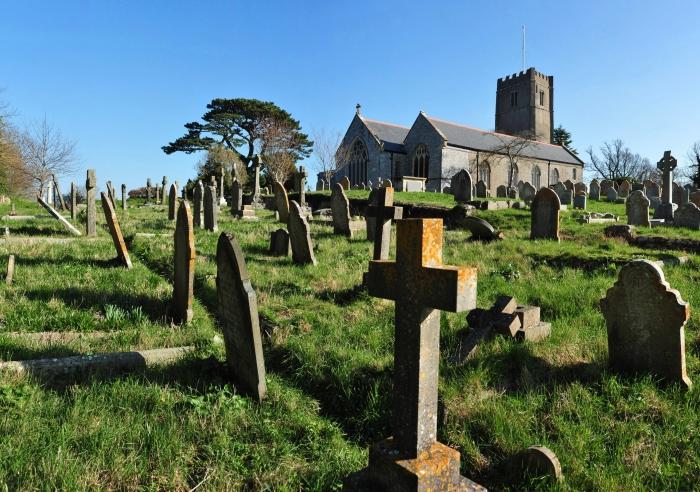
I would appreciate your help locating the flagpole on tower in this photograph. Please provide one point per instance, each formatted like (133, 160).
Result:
(523, 48)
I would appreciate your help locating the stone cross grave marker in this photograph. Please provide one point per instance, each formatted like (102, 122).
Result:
(637, 207)
(461, 186)
(184, 259)
(383, 212)
(148, 190)
(238, 312)
(211, 209)
(666, 165)
(56, 215)
(545, 215)
(115, 231)
(172, 202)
(198, 204)
(480, 189)
(163, 187)
(282, 202)
(645, 320)
(124, 197)
(345, 183)
(421, 286)
(300, 236)
(257, 162)
(340, 207)
(594, 190)
(370, 222)
(91, 211)
(73, 201)
(300, 184)
(236, 198)
(222, 200)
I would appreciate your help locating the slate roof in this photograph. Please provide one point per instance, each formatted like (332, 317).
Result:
(392, 136)
(473, 138)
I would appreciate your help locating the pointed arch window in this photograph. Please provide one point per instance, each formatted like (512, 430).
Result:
(421, 161)
(485, 174)
(555, 176)
(536, 177)
(516, 175)
(357, 167)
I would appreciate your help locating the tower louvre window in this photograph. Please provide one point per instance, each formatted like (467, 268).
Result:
(513, 98)
(541, 98)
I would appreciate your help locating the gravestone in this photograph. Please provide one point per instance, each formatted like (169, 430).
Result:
(220, 187)
(236, 198)
(666, 165)
(112, 194)
(148, 190)
(461, 186)
(611, 194)
(115, 231)
(388, 184)
(559, 189)
(158, 199)
(685, 195)
(521, 183)
(91, 211)
(198, 204)
(652, 189)
(382, 211)
(580, 187)
(637, 207)
(163, 187)
(501, 192)
(480, 229)
(340, 206)
(420, 285)
(184, 258)
(512, 193)
(695, 198)
(545, 215)
(300, 236)
(624, 190)
(279, 243)
(370, 222)
(257, 164)
(638, 187)
(481, 191)
(594, 190)
(238, 314)
(645, 320)
(73, 201)
(211, 209)
(345, 183)
(124, 197)
(300, 184)
(688, 216)
(569, 185)
(605, 185)
(56, 215)
(565, 198)
(172, 202)
(580, 200)
(282, 202)
(10, 272)
(528, 193)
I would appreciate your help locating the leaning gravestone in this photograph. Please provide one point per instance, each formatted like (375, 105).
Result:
(185, 256)
(480, 229)
(382, 211)
(413, 459)
(688, 216)
(340, 206)
(300, 236)
(545, 215)
(480, 189)
(211, 209)
(645, 320)
(501, 191)
(594, 190)
(637, 206)
(91, 211)
(172, 202)
(528, 193)
(282, 202)
(238, 312)
(124, 197)
(73, 201)
(115, 231)
(461, 186)
(56, 215)
(198, 204)
(279, 243)
(345, 183)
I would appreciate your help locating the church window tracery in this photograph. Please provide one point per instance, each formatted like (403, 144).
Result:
(536, 176)
(485, 174)
(357, 167)
(421, 161)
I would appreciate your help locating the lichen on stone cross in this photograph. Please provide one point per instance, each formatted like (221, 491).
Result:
(420, 285)
(383, 211)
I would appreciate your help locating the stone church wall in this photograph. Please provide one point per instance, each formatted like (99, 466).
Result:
(422, 132)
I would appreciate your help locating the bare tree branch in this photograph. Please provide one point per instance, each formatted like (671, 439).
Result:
(512, 148)
(329, 153)
(46, 152)
(618, 162)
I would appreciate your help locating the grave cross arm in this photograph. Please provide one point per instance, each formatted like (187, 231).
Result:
(667, 162)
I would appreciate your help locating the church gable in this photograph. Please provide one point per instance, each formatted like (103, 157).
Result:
(423, 146)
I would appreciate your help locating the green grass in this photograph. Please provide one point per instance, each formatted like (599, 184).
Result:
(328, 349)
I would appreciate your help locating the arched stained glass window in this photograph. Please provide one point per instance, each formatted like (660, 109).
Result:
(421, 161)
(357, 167)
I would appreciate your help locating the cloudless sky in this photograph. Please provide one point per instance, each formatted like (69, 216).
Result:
(122, 77)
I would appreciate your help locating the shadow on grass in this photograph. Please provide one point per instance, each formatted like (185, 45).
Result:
(89, 262)
(343, 297)
(39, 231)
(155, 309)
(15, 350)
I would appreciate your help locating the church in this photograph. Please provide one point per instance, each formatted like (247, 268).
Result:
(424, 156)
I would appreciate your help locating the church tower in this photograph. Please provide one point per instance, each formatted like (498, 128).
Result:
(525, 105)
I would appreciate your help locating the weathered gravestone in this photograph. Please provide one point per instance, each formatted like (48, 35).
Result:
(651, 187)
(279, 243)
(371, 222)
(388, 184)
(198, 204)
(300, 184)
(115, 231)
(638, 187)
(545, 215)
(236, 198)
(688, 216)
(565, 198)
(300, 236)
(677, 194)
(637, 207)
(594, 190)
(480, 189)
(158, 200)
(56, 215)
(501, 191)
(480, 229)
(611, 195)
(345, 183)
(10, 272)
(172, 202)
(340, 206)
(624, 190)
(163, 187)
(645, 320)
(282, 202)
(149, 187)
(91, 211)
(73, 201)
(580, 188)
(512, 193)
(238, 312)
(185, 256)
(420, 285)
(461, 186)
(124, 196)
(580, 200)
(527, 193)
(569, 185)
(382, 211)
(211, 209)
(695, 198)
(559, 189)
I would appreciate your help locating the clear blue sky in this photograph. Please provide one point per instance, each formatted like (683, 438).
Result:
(121, 78)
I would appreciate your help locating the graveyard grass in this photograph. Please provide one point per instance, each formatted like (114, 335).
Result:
(328, 350)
